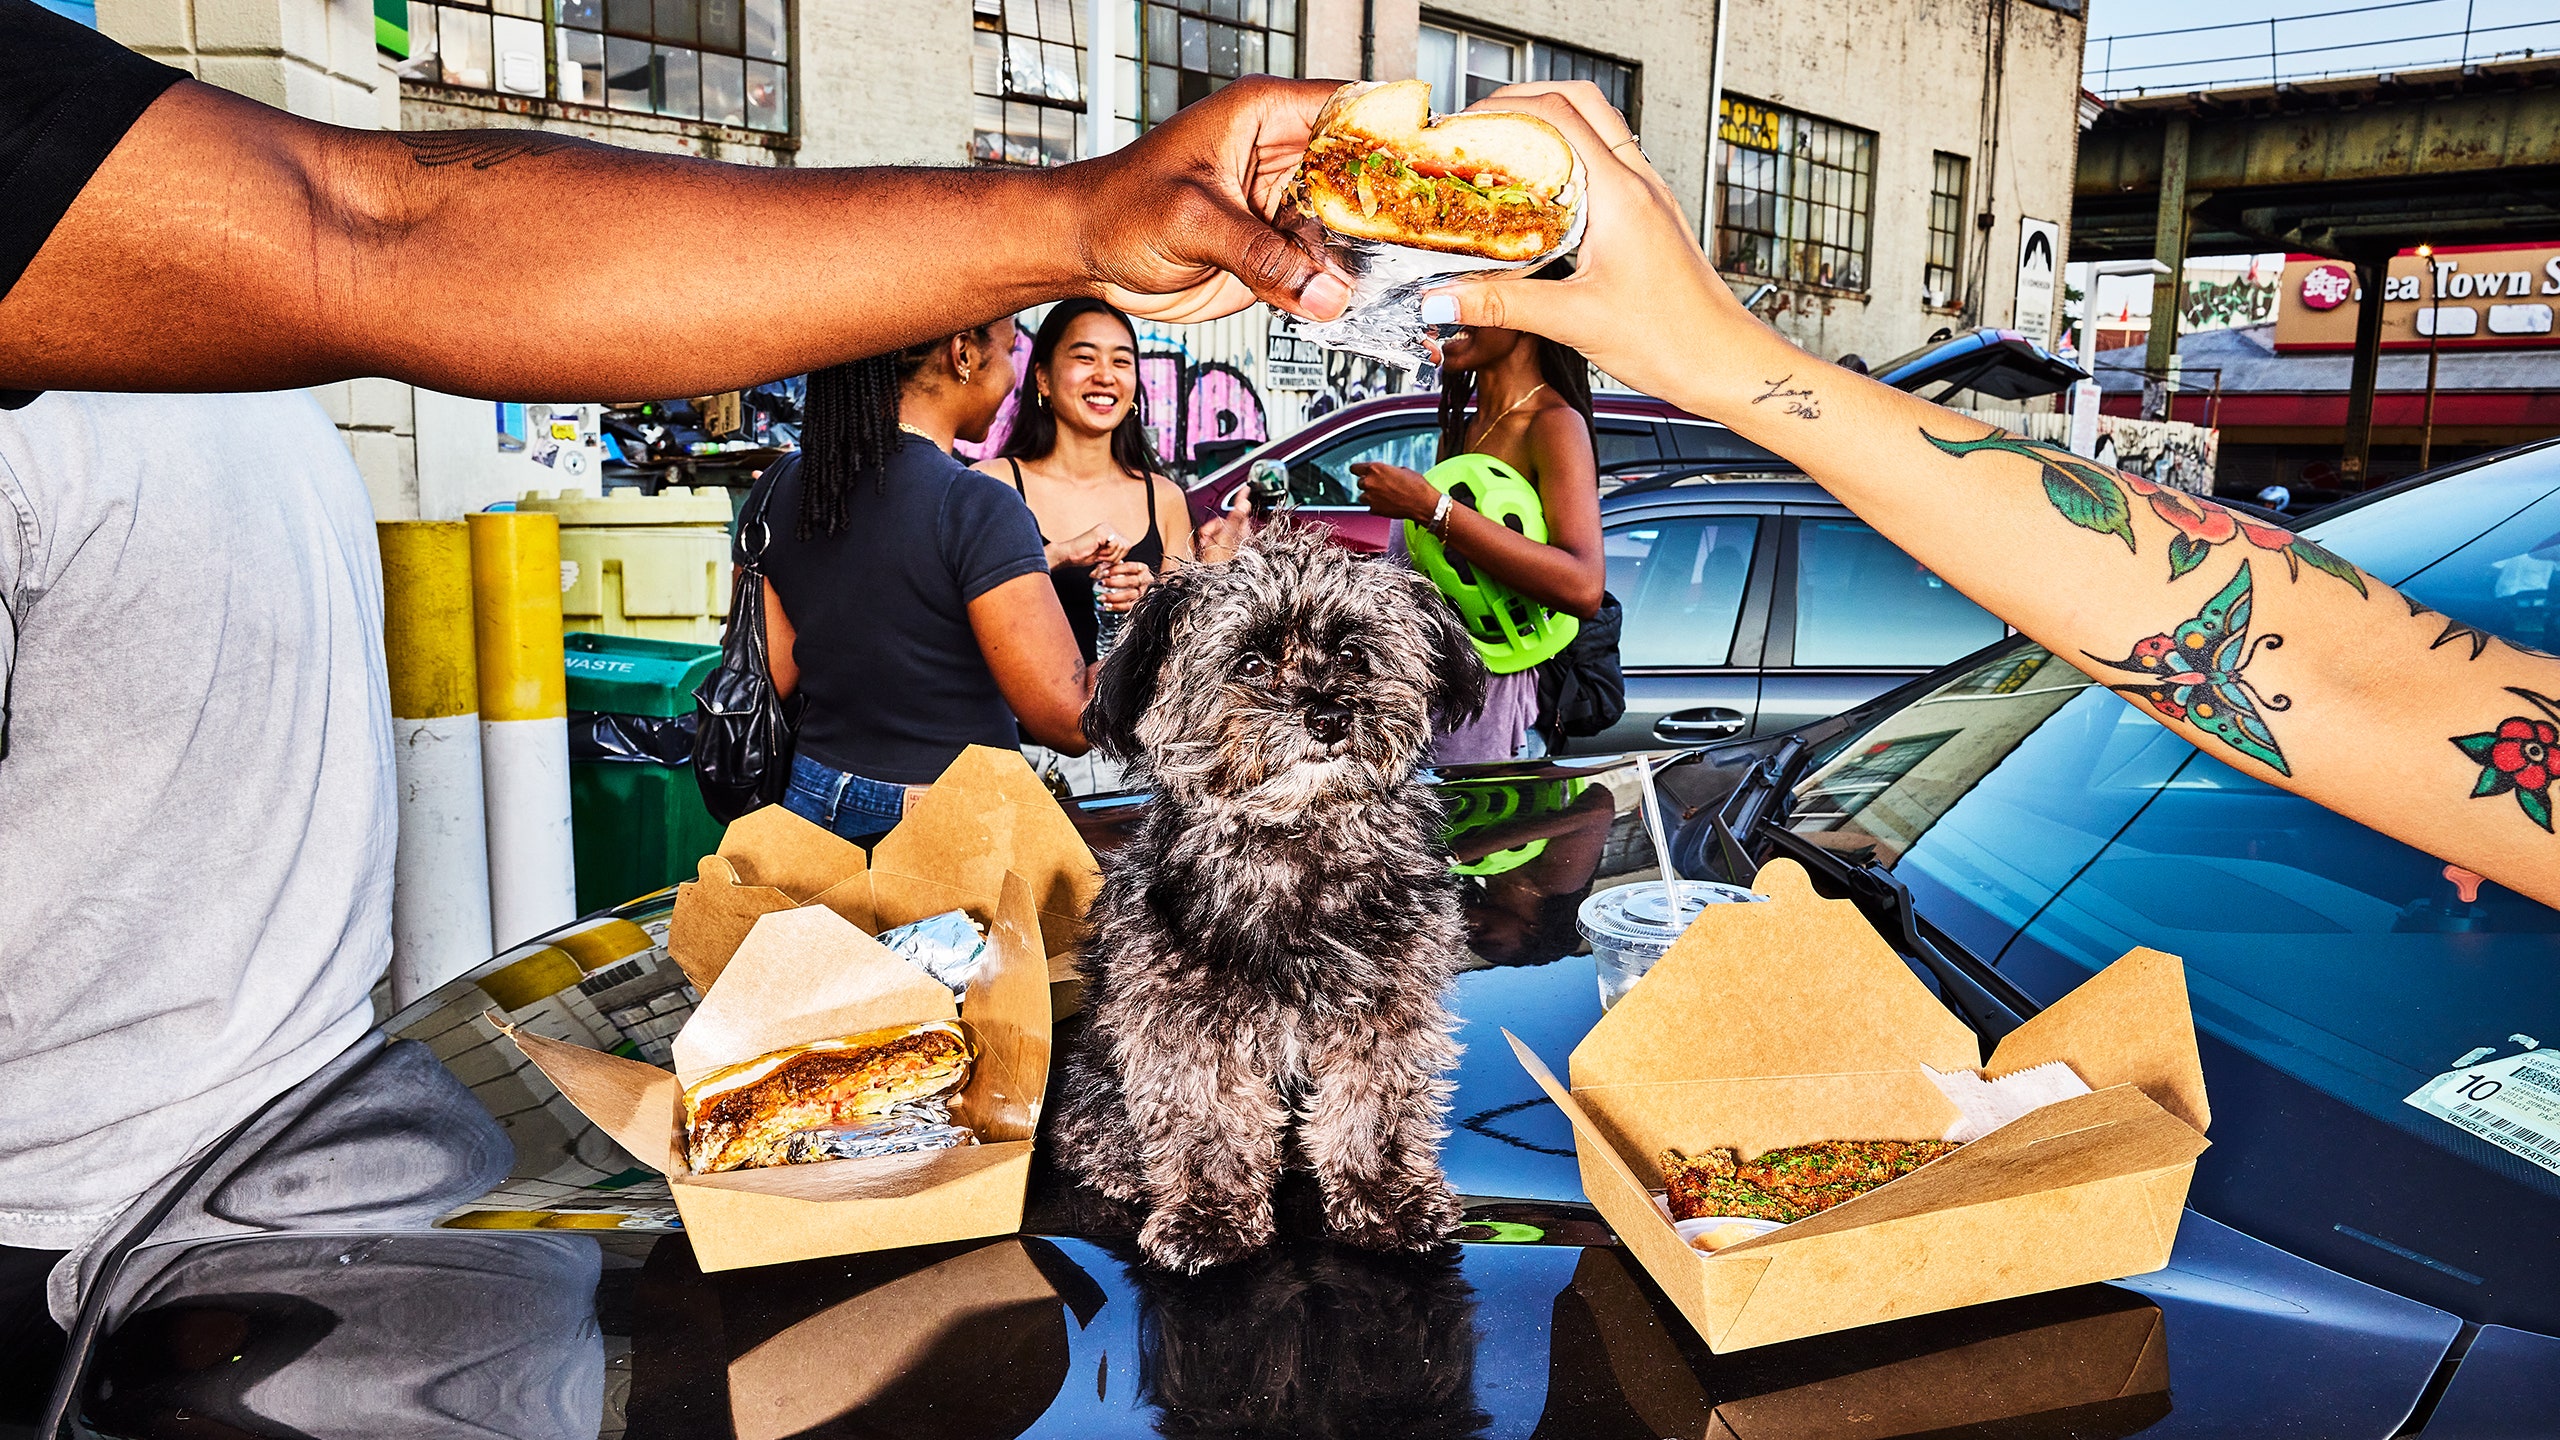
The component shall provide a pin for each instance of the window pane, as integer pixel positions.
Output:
(581, 14)
(517, 46)
(627, 17)
(1057, 136)
(1163, 95)
(1435, 55)
(724, 89)
(421, 64)
(1284, 15)
(1223, 9)
(724, 25)
(1284, 54)
(1861, 601)
(1681, 582)
(1164, 35)
(676, 20)
(769, 96)
(1195, 44)
(1062, 21)
(1224, 53)
(630, 73)
(1490, 59)
(581, 67)
(521, 9)
(986, 63)
(1326, 478)
(1021, 133)
(462, 48)
(768, 30)
(1249, 59)
(680, 81)
(1022, 66)
(1256, 12)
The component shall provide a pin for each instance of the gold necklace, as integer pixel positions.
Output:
(926, 436)
(1507, 409)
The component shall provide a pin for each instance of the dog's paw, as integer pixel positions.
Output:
(1419, 1219)
(1192, 1240)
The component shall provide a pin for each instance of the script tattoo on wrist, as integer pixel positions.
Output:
(2519, 756)
(2197, 673)
(479, 149)
(2094, 497)
(1799, 402)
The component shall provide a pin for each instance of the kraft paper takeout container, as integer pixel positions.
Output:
(987, 815)
(1791, 1022)
(809, 974)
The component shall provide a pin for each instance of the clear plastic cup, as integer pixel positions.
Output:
(1630, 926)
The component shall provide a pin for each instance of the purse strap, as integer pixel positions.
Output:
(753, 533)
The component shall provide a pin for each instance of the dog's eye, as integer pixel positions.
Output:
(1253, 666)
(1348, 653)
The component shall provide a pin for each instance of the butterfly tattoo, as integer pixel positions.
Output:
(2197, 673)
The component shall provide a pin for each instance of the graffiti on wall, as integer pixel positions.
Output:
(1202, 402)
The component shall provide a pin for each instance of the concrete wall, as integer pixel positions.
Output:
(884, 82)
(1913, 72)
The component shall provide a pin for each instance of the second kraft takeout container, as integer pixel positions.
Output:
(987, 814)
(808, 974)
(1793, 1022)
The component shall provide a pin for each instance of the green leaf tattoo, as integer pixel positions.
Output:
(2195, 673)
(2094, 497)
(2520, 757)
(2086, 495)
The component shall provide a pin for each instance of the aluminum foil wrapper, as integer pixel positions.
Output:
(903, 1131)
(949, 947)
(1384, 318)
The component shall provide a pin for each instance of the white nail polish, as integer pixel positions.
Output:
(1439, 309)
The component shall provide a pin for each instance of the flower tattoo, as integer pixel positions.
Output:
(2521, 757)
(2195, 673)
(2093, 497)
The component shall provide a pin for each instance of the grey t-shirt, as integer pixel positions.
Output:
(196, 803)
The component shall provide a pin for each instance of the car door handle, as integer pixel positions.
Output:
(1715, 723)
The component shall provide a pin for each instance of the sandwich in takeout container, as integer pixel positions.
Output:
(988, 814)
(1793, 1023)
(1406, 201)
(809, 975)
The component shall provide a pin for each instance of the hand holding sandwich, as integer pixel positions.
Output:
(2356, 710)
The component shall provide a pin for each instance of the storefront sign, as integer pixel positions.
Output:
(2039, 254)
(1293, 362)
(2465, 297)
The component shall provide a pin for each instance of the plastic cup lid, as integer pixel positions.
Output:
(1643, 911)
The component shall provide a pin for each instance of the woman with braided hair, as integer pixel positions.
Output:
(907, 597)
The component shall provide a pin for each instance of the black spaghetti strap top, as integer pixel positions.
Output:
(1075, 582)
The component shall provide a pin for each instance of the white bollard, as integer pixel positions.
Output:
(524, 724)
(440, 878)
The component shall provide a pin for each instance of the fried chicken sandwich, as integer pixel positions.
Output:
(1495, 184)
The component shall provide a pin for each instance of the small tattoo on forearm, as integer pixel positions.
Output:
(2197, 673)
(479, 149)
(2520, 756)
(1799, 402)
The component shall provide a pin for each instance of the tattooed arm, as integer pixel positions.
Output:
(2259, 646)
(224, 245)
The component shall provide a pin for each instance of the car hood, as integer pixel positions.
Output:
(1536, 1324)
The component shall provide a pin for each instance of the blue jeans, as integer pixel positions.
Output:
(853, 806)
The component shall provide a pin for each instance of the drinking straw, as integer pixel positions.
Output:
(1653, 828)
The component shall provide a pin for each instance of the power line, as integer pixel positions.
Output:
(2324, 49)
(2254, 24)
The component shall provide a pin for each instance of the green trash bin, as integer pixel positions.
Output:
(637, 821)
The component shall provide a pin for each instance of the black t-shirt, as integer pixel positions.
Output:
(895, 680)
(67, 95)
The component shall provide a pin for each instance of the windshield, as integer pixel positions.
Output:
(2049, 827)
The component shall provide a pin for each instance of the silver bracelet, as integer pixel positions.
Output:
(1438, 524)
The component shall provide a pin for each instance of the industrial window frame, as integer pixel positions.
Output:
(1028, 67)
(717, 62)
(1798, 197)
(1942, 278)
(1622, 81)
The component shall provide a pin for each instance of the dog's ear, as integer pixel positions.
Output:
(1459, 696)
(1127, 685)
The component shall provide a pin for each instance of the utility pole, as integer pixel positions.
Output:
(1102, 72)
(2435, 326)
(2373, 273)
(2169, 246)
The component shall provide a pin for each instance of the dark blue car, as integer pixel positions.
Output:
(2351, 1265)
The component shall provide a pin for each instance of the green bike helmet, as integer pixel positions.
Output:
(1511, 631)
(1477, 806)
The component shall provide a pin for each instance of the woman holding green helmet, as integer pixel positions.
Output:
(1508, 523)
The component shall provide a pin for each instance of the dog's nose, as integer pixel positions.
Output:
(1328, 722)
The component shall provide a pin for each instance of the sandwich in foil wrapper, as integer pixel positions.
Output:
(743, 1115)
(1407, 201)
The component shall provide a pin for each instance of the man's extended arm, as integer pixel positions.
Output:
(226, 245)
(2260, 647)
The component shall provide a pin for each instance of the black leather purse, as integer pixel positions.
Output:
(1581, 690)
(743, 732)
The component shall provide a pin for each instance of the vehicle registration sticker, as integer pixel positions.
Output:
(2512, 1102)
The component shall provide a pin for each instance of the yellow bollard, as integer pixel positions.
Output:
(440, 880)
(524, 724)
